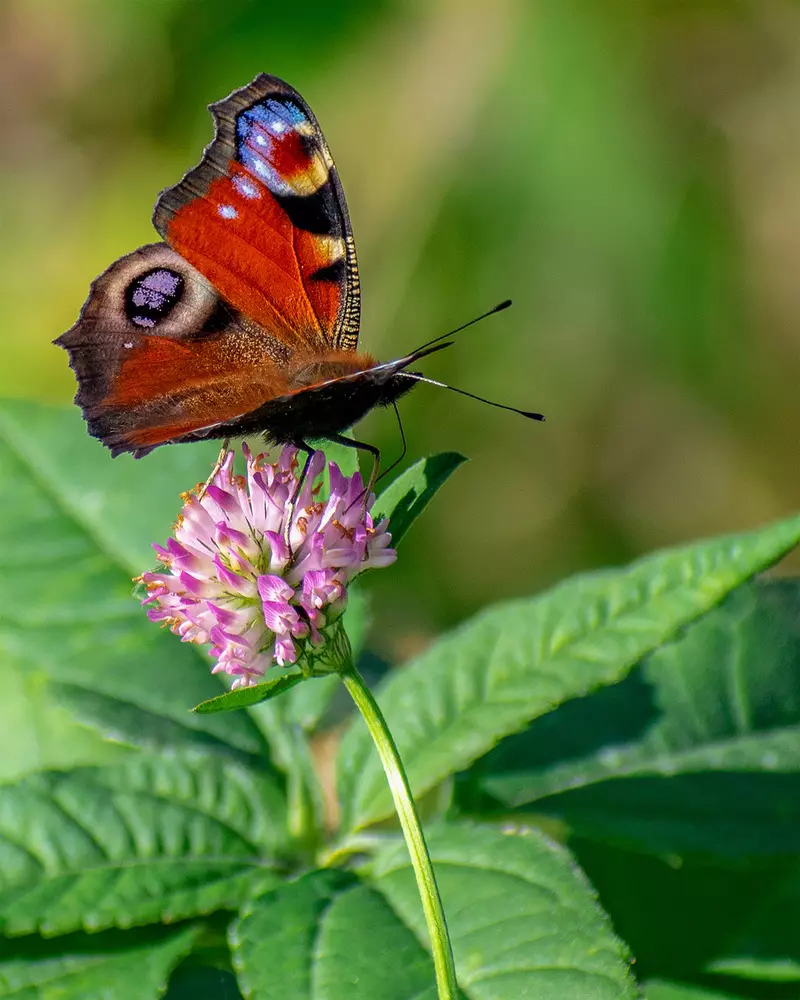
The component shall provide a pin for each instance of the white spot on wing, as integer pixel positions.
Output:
(128, 344)
(227, 211)
(246, 188)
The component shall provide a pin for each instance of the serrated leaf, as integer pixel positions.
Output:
(724, 697)
(105, 496)
(407, 497)
(245, 697)
(137, 972)
(153, 838)
(523, 920)
(276, 943)
(717, 713)
(520, 659)
(522, 917)
(72, 529)
(38, 732)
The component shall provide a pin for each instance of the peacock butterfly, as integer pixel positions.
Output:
(245, 319)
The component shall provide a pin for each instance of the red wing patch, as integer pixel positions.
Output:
(245, 244)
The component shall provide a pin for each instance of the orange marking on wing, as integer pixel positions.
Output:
(208, 381)
(148, 371)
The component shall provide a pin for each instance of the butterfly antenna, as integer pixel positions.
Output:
(498, 308)
(402, 454)
(481, 399)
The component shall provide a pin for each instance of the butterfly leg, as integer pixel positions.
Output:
(217, 466)
(376, 461)
(301, 446)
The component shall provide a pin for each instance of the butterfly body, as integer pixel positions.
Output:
(245, 319)
(323, 410)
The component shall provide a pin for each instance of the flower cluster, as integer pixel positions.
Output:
(261, 570)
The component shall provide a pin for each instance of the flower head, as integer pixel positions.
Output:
(259, 570)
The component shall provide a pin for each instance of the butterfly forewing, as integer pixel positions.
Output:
(264, 218)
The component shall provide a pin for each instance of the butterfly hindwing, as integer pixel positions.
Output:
(159, 355)
(263, 217)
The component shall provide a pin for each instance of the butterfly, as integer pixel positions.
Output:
(245, 319)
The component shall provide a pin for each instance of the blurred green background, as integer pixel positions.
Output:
(628, 173)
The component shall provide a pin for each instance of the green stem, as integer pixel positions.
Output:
(412, 831)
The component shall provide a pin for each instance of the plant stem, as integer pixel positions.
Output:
(412, 831)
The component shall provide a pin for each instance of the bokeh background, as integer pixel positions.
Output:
(628, 173)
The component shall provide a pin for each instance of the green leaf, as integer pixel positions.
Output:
(357, 618)
(676, 914)
(710, 816)
(193, 981)
(288, 720)
(133, 972)
(38, 732)
(768, 947)
(276, 943)
(152, 838)
(244, 697)
(523, 921)
(123, 504)
(723, 699)
(520, 659)
(663, 990)
(405, 499)
(69, 533)
(522, 917)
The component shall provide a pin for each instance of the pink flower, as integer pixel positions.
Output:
(260, 578)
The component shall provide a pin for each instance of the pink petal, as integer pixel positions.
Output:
(274, 588)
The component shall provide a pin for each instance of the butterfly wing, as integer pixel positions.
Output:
(160, 355)
(258, 282)
(263, 217)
